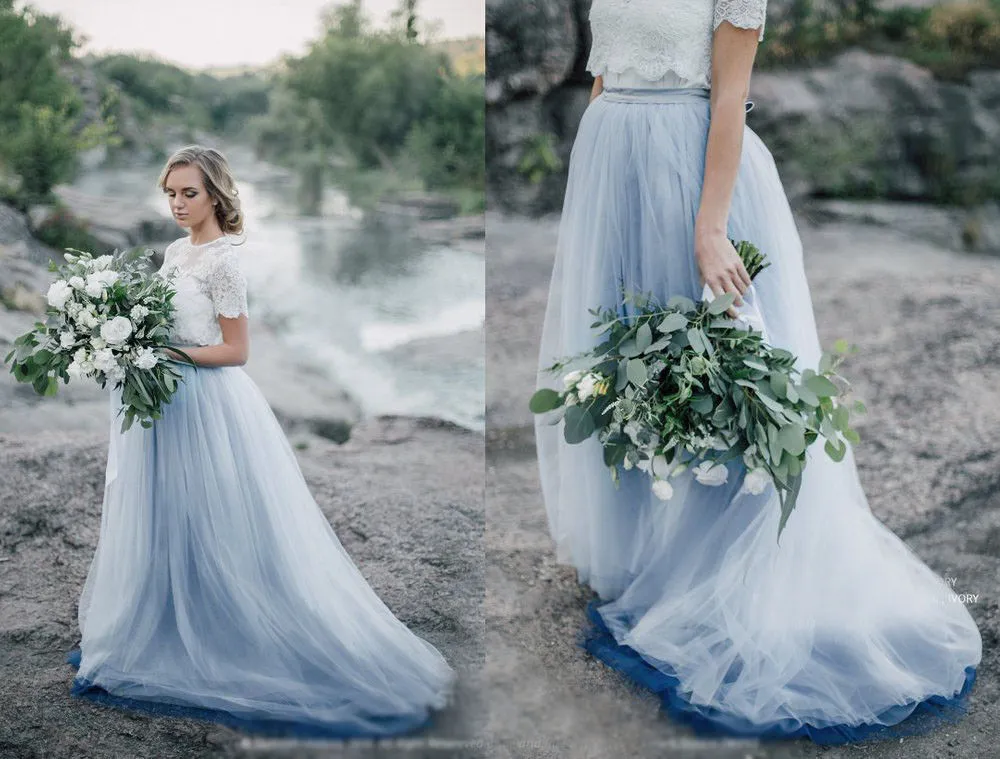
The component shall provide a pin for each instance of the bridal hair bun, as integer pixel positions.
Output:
(219, 183)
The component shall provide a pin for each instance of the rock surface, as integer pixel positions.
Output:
(926, 321)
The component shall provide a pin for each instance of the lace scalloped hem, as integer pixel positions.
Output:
(904, 720)
(380, 726)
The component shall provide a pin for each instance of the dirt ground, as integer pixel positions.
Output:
(927, 322)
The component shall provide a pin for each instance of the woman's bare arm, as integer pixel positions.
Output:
(733, 52)
(233, 351)
(598, 87)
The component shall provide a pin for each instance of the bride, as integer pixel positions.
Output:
(840, 632)
(218, 589)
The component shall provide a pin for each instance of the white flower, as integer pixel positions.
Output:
(586, 386)
(97, 343)
(107, 276)
(102, 262)
(572, 378)
(100, 281)
(138, 313)
(103, 360)
(73, 309)
(82, 355)
(756, 481)
(77, 283)
(66, 339)
(59, 293)
(76, 370)
(87, 318)
(659, 466)
(117, 330)
(627, 463)
(94, 287)
(711, 474)
(115, 373)
(146, 359)
(663, 490)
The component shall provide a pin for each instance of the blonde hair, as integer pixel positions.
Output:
(219, 183)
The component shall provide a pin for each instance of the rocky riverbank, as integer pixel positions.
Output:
(926, 320)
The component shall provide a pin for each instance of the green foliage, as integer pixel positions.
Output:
(363, 100)
(539, 157)
(39, 110)
(62, 230)
(949, 38)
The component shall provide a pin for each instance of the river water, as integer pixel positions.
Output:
(396, 323)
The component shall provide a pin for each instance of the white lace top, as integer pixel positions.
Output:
(662, 43)
(209, 284)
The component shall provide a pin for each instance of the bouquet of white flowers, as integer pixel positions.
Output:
(108, 320)
(683, 386)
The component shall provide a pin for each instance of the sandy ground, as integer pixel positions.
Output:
(405, 496)
(927, 322)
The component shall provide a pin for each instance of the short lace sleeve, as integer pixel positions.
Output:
(228, 287)
(745, 14)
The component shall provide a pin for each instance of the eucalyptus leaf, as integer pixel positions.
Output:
(544, 400)
(578, 424)
(636, 371)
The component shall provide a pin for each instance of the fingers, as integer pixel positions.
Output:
(723, 284)
(744, 276)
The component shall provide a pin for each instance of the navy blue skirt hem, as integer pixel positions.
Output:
(905, 720)
(382, 727)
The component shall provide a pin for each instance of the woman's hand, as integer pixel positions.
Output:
(721, 267)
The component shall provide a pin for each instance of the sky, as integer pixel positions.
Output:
(203, 33)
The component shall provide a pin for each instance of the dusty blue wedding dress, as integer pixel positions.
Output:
(840, 633)
(218, 589)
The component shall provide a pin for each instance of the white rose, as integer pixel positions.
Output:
(94, 287)
(117, 330)
(115, 373)
(711, 474)
(627, 463)
(107, 276)
(81, 355)
(103, 360)
(756, 481)
(663, 490)
(75, 370)
(102, 262)
(97, 343)
(77, 283)
(146, 359)
(59, 293)
(586, 386)
(138, 313)
(66, 339)
(88, 319)
(572, 378)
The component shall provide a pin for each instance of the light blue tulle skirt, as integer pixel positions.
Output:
(220, 591)
(838, 633)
